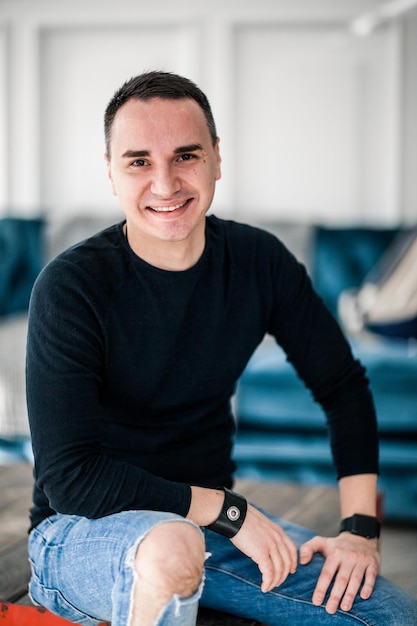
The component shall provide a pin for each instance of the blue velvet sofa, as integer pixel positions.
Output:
(281, 431)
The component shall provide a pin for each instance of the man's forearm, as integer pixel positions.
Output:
(358, 494)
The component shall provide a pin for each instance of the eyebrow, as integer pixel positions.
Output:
(135, 153)
(192, 147)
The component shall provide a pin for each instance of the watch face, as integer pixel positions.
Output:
(364, 525)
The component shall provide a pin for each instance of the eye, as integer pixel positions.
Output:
(139, 163)
(187, 156)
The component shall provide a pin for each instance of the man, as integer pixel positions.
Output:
(137, 337)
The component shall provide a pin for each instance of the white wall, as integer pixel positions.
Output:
(310, 117)
(3, 114)
(409, 113)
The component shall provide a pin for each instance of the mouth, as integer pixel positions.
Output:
(168, 209)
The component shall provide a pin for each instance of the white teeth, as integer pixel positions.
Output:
(166, 209)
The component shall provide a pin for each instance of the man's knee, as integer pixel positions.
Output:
(171, 558)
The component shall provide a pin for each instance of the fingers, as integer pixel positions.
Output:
(347, 569)
(308, 549)
(345, 588)
(280, 561)
(266, 543)
(368, 586)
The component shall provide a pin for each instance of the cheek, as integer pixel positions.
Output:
(128, 186)
(207, 178)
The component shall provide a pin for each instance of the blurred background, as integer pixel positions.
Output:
(316, 108)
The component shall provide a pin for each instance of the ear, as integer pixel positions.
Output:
(218, 159)
(109, 173)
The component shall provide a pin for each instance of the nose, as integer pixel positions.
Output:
(165, 182)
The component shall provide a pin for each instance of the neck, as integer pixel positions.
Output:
(174, 256)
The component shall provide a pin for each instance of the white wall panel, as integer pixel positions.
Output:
(23, 136)
(410, 120)
(80, 70)
(317, 123)
(4, 166)
(310, 118)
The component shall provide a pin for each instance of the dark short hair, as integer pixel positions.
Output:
(157, 84)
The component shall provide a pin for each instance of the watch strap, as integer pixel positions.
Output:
(363, 525)
(231, 516)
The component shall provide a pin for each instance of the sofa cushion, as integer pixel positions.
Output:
(342, 257)
(21, 259)
(386, 302)
(270, 396)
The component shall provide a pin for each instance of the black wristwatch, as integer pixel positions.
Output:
(363, 525)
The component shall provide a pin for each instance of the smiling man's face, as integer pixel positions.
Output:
(163, 167)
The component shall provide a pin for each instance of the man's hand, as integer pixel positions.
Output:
(350, 560)
(268, 546)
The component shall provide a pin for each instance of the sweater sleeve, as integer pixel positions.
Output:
(322, 357)
(65, 348)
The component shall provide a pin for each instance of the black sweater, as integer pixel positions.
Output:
(130, 369)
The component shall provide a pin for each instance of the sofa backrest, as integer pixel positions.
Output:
(342, 258)
(22, 256)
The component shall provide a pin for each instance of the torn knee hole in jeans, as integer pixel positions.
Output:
(131, 553)
(179, 605)
(177, 602)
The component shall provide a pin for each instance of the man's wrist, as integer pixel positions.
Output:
(363, 525)
(232, 514)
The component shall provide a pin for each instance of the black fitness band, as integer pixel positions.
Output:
(364, 525)
(231, 516)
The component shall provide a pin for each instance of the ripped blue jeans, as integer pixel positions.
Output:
(83, 570)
